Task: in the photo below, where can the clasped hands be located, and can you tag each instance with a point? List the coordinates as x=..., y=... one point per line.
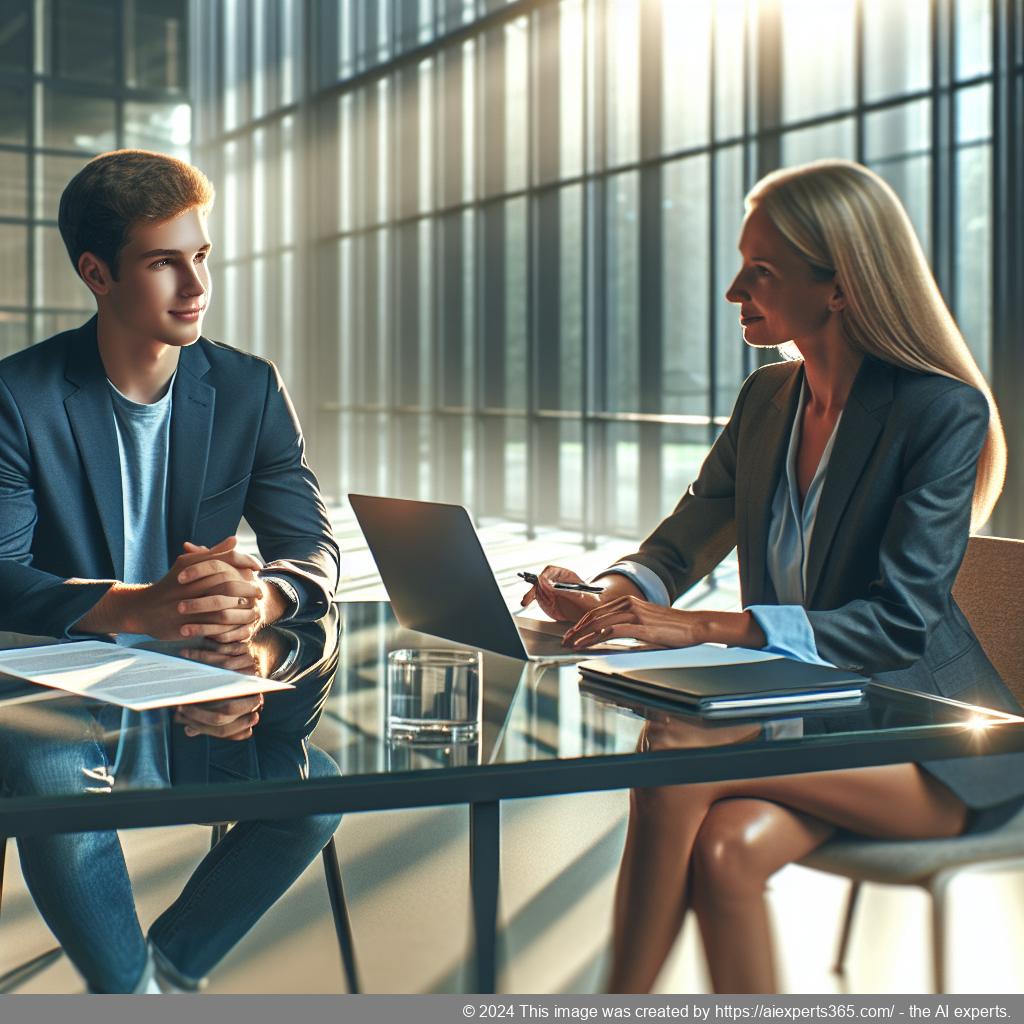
x=212, y=594
x=209, y=595
x=232, y=719
x=208, y=592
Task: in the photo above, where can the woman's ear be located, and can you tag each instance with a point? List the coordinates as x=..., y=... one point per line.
x=837, y=300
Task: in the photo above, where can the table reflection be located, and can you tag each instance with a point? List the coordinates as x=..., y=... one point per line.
x=542, y=711
x=68, y=746
x=119, y=749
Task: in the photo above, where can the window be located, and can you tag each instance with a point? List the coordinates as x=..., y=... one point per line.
x=76, y=79
x=492, y=239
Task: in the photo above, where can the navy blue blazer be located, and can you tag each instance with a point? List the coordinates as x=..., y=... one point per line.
x=236, y=449
x=890, y=534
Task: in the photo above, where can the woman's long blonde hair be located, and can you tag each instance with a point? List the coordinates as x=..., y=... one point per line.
x=847, y=222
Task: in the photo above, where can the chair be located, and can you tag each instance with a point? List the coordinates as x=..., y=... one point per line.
x=990, y=591
x=339, y=909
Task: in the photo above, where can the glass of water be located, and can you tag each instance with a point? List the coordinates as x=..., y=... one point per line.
x=433, y=696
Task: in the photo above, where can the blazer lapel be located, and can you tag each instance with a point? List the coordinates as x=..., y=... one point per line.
x=92, y=422
x=191, y=430
x=757, y=478
x=859, y=429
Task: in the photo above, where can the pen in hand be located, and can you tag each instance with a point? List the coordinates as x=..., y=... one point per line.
x=583, y=588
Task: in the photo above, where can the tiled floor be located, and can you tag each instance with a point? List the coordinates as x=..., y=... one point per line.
x=405, y=875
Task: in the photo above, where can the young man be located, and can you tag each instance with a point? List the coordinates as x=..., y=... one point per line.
x=130, y=449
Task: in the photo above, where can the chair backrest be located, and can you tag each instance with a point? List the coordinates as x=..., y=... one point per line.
x=990, y=591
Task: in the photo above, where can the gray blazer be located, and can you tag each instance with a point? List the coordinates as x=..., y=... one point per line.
x=890, y=534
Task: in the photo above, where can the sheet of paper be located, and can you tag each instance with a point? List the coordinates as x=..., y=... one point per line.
x=127, y=676
x=701, y=656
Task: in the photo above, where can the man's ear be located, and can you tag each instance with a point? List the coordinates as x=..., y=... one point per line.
x=95, y=273
x=837, y=300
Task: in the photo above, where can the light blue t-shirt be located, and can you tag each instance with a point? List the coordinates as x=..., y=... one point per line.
x=143, y=446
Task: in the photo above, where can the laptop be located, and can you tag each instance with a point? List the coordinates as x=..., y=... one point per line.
x=440, y=582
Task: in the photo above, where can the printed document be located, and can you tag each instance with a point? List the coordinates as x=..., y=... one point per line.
x=129, y=677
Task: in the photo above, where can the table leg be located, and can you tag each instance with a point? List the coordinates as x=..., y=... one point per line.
x=484, y=862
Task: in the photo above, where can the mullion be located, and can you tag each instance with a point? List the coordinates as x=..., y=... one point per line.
x=596, y=434
x=651, y=251
x=587, y=332
x=533, y=440
x=859, y=67
x=479, y=439
x=32, y=284
x=941, y=144
x=441, y=456
x=712, y=240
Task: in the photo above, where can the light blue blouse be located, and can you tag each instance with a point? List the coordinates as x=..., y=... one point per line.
x=785, y=625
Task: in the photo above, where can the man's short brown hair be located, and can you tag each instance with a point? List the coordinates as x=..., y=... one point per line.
x=112, y=191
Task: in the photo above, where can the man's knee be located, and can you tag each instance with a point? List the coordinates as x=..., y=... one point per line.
x=323, y=766
x=322, y=828
x=46, y=769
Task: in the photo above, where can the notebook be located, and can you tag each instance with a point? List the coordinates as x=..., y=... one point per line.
x=724, y=681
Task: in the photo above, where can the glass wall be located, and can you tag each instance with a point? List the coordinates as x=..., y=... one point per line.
x=77, y=77
x=489, y=241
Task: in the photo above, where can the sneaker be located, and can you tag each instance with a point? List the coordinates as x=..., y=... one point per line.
x=170, y=980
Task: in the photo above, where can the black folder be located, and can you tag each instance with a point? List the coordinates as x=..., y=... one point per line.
x=775, y=685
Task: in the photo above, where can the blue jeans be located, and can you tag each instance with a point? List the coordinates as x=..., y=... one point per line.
x=79, y=880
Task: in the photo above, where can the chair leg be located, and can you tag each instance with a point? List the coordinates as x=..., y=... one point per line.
x=14, y=977
x=844, y=936
x=17, y=975
x=339, y=909
x=938, y=889
x=342, y=925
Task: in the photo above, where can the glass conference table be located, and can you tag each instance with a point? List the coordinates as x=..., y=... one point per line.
x=540, y=735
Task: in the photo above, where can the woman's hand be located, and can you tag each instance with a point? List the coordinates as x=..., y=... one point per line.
x=561, y=605
x=663, y=627
x=634, y=617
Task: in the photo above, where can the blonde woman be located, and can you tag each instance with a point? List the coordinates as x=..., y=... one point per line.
x=849, y=479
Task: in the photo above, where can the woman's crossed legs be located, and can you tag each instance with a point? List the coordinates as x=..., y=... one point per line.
x=713, y=847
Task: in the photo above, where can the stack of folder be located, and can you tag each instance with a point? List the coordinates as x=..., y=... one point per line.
x=716, y=681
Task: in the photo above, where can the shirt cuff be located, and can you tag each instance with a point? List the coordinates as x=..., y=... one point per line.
x=788, y=632
x=290, y=592
x=291, y=657
x=646, y=579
